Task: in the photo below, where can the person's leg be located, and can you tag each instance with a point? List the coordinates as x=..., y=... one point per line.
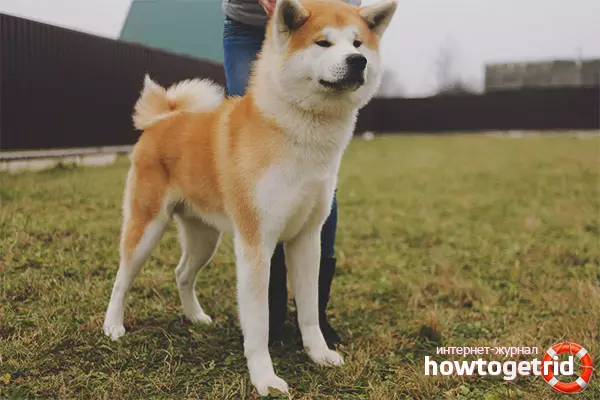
x=328, y=231
x=241, y=44
x=278, y=295
x=326, y=273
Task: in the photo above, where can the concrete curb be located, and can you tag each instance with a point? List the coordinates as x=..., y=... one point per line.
x=17, y=161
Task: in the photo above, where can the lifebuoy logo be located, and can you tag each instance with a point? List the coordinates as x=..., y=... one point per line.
x=587, y=367
x=549, y=367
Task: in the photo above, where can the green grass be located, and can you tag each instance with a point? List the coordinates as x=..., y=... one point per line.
x=442, y=241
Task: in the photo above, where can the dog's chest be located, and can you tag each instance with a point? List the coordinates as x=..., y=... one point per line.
x=290, y=191
x=287, y=202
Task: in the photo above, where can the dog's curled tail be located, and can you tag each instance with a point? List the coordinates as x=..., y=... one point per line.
x=157, y=103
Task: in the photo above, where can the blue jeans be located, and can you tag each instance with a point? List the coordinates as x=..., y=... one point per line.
x=241, y=44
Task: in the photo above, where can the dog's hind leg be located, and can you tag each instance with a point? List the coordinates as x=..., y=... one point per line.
x=198, y=244
x=144, y=223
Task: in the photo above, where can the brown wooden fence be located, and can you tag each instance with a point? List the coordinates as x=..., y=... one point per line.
x=528, y=109
x=62, y=89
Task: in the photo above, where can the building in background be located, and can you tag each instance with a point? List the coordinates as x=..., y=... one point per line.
x=556, y=73
x=190, y=27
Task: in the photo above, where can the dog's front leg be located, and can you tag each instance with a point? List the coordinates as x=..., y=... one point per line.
x=303, y=255
x=252, y=286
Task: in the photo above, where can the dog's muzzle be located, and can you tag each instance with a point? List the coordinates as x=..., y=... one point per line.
x=354, y=77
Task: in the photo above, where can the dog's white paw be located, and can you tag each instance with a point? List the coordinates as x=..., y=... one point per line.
x=114, y=331
x=326, y=357
x=270, y=385
x=199, y=318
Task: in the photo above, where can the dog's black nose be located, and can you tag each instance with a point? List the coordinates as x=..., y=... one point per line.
x=356, y=62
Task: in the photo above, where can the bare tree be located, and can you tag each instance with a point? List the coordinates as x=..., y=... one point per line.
x=448, y=79
x=445, y=64
x=390, y=85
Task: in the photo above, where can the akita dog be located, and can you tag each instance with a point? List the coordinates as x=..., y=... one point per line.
x=263, y=166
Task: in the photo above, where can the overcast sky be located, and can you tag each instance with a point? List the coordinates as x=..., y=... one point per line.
x=478, y=31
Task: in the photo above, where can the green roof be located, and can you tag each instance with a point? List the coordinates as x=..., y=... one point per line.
x=190, y=27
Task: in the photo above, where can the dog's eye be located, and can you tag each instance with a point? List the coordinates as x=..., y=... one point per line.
x=323, y=43
x=357, y=43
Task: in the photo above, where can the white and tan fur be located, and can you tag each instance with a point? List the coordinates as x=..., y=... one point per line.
x=263, y=166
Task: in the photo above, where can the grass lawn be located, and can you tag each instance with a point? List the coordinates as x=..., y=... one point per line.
x=442, y=241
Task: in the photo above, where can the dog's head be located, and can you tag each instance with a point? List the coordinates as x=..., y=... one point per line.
x=325, y=53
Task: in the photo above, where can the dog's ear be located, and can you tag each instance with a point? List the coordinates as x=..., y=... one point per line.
x=378, y=15
x=289, y=15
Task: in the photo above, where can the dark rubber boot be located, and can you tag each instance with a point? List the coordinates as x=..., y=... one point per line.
x=278, y=296
x=327, y=270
